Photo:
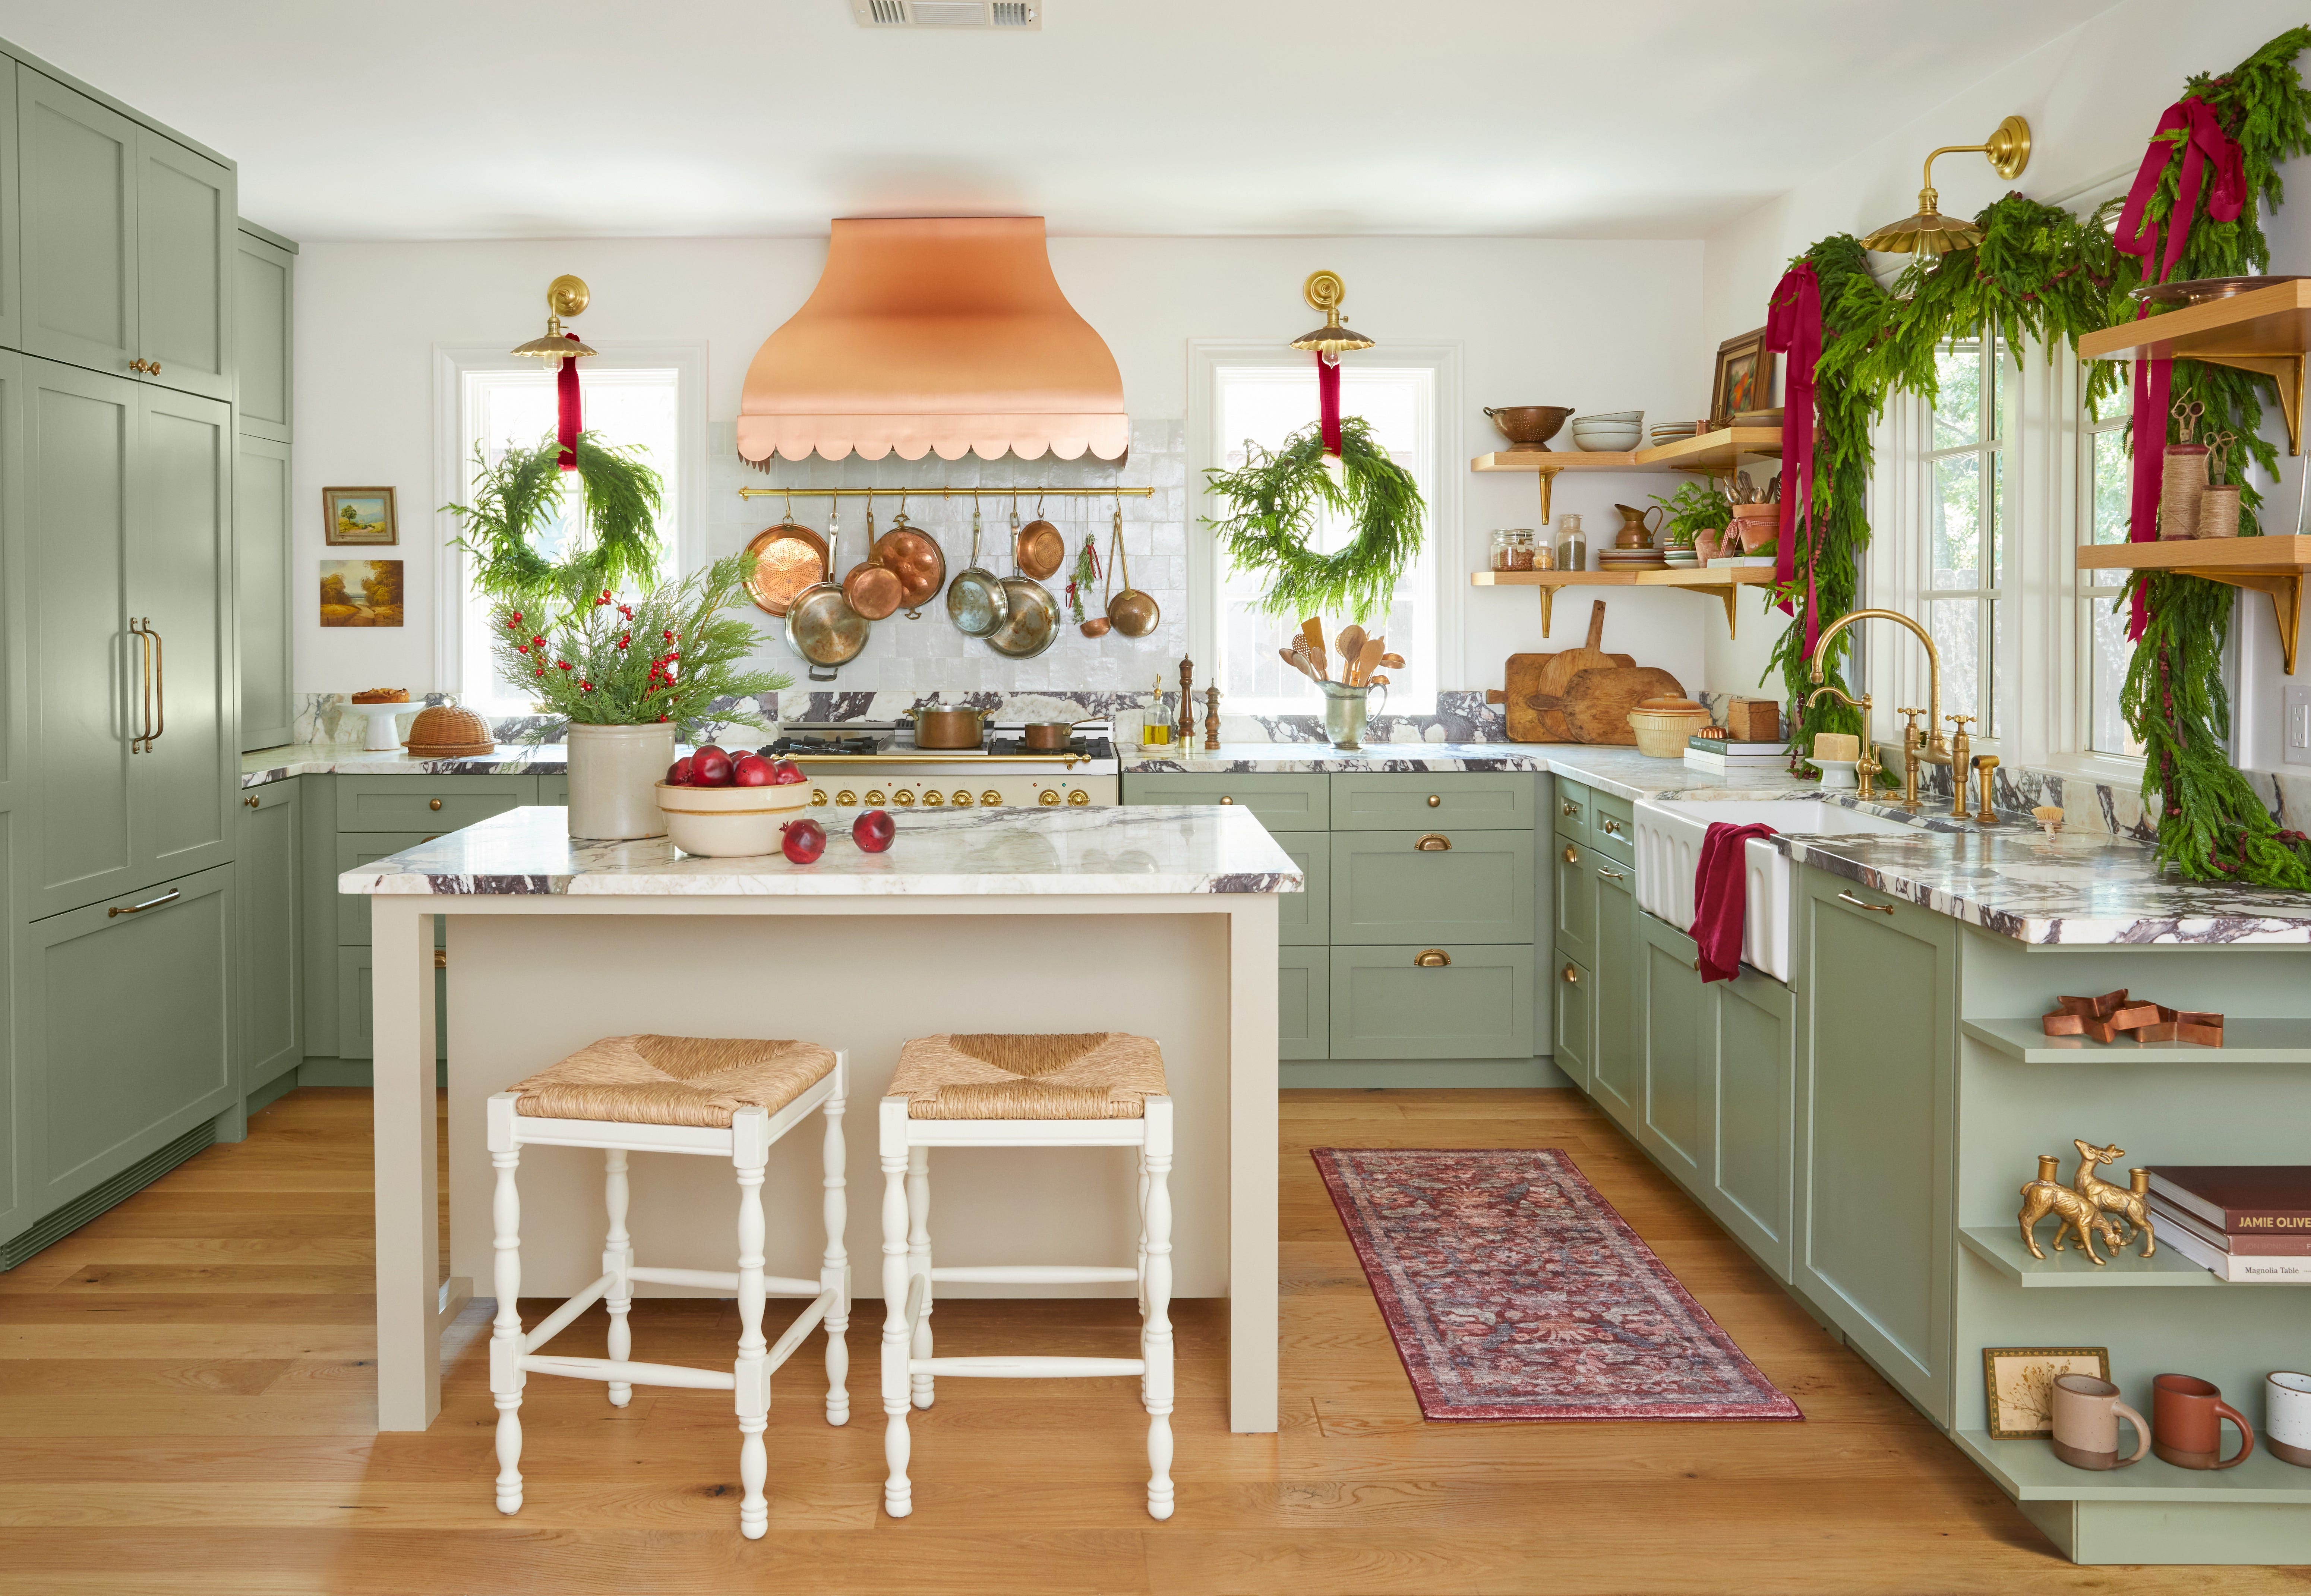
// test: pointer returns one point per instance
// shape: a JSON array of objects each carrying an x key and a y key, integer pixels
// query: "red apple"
[
  {"x": 802, "y": 841},
  {"x": 752, "y": 769},
  {"x": 677, "y": 774},
  {"x": 785, "y": 772},
  {"x": 709, "y": 767},
  {"x": 872, "y": 831}
]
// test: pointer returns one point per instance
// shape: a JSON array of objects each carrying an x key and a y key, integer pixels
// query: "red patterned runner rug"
[{"x": 1514, "y": 1291}]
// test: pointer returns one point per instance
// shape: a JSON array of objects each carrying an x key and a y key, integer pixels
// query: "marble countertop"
[
  {"x": 351, "y": 759},
  {"x": 991, "y": 852},
  {"x": 1622, "y": 773}
]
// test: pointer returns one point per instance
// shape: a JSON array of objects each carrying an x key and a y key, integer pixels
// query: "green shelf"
[
  {"x": 2244, "y": 1041},
  {"x": 2001, "y": 1246},
  {"x": 2029, "y": 1471}
]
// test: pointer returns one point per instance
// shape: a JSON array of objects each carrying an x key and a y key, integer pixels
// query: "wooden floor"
[{"x": 186, "y": 1405}]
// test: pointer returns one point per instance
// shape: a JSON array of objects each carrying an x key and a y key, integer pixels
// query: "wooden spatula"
[
  {"x": 1368, "y": 661},
  {"x": 1313, "y": 629}
]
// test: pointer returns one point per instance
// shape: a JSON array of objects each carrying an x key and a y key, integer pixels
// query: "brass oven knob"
[
  {"x": 992, "y": 799},
  {"x": 818, "y": 796},
  {"x": 846, "y": 798},
  {"x": 905, "y": 798},
  {"x": 934, "y": 799},
  {"x": 1432, "y": 958},
  {"x": 961, "y": 799},
  {"x": 1048, "y": 798},
  {"x": 1079, "y": 797},
  {"x": 874, "y": 797}
]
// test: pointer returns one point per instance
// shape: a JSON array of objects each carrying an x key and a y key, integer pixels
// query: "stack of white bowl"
[{"x": 1617, "y": 432}]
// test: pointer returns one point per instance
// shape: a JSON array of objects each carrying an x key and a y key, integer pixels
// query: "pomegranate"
[
  {"x": 872, "y": 831},
  {"x": 677, "y": 774},
  {"x": 712, "y": 748},
  {"x": 785, "y": 772},
  {"x": 802, "y": 841},
  {"x": 709, "y": 767},
  {"x": 752, "y": 769}
]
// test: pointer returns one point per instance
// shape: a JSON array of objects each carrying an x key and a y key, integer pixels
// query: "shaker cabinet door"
[
  {"x": 269, "y": 873},
  {"x": 262, "y": 326},
  {"x": 260, "y": 536},
  {"x": 11, "y": 281},
  {"x": 1676, "y": 1083},
  {"x": 79, "y": 162},
  {"x": 188, "y": 276},
  {"x": 1615, "y": 1072}
]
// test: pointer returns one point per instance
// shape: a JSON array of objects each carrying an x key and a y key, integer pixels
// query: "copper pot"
[
  {"x": 915, "y": 557},
  {"x": 1047, "y": 736},
  {"x": 944, "y": 728},
  {"x": 1039, "y": 548},
  {"x": 872, "y": 587}
]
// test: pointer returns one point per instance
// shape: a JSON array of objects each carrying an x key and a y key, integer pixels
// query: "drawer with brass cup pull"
[{"x": 1433, "y": 888}]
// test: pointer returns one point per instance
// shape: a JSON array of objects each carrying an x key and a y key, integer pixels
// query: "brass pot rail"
[{"x": 944, "y": 492}]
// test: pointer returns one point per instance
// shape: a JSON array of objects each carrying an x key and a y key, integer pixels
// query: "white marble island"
[{"x": 1160, "y": 921}]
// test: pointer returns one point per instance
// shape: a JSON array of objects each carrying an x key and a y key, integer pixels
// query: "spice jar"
[
  {"x": 1500, "y": 556},
  {"x": 1572, "y": 543},
  {"x": 1520, "y": 548}
]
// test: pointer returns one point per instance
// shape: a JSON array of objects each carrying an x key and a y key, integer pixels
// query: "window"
[
  {"x": 1255, "y": 393},
  {"x": 1971, "y": 427},
  {"x": 2104, "y": 508}
]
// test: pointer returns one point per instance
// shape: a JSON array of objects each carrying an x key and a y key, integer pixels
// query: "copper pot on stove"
[
  {"x": 1047, "y": 736},
  {"x": 937, "y": 725}
]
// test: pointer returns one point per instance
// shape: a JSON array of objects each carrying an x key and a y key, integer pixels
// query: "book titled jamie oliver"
[{"x": 2242, "y": 1198}]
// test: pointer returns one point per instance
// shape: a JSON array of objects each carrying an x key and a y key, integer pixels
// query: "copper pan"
[
  {"x": 872, "y": 587},
  {"x": 1047, "y": 736},
  {"x": 915, "y": 557},
  {"x": 1039, "y": 548},
  {"x": 788, "y": 558}
]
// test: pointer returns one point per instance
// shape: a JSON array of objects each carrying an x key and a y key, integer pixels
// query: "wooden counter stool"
[
  {"x": 723, "y": 1098},
  {"x": 1104, "y": 1089}
]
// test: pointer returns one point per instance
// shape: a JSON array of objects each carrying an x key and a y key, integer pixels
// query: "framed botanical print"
[
  {"x": 1744, "y": 379},
  {"x": 2019, "y": 1385},
  {"x": 359, "y": 515}
]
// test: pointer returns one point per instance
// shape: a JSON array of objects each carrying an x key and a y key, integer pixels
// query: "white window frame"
[
  {"x": 453, "y": 469},
  {"x": 1207, "y": 359}
]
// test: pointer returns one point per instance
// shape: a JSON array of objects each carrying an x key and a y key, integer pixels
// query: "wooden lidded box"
[{"x": 1754, "y": 721}]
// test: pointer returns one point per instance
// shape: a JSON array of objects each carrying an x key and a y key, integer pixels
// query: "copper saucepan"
[
  {"x": 1047, "y": 736},
  {"x": 1039, "y": 548},
  {"x": 873, "y": 589},
  {"x": 941, "y": 727}
]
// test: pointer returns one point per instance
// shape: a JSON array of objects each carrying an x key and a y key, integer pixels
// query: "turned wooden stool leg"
[
  {"x": 834, "y": 1267},
  {"x": 919, "y": 1258},
  {"x": 752, "y": 1368},
  {"x": 506, "y": 1375},
  {"x": 617, "y": 1257},
  {"x": 898, "y": 1494},
  {"x": 1157, "y": 1332}
]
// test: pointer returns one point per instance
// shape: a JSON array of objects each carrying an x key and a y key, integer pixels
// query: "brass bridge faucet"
[{"x": 1919, "y": 746}]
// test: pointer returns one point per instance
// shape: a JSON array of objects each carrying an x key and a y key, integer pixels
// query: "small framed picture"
[
  {"x": 1744, "y": 378},
  {"x": 360, "y": 592},
  {"x": 2019, "y": 1385},
  {"x": 359, "y": 515}
]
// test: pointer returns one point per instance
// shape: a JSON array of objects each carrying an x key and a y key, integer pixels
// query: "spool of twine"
[
  {"x": 2218, "y": 511},
  {"x": 2179, "y": 490}
]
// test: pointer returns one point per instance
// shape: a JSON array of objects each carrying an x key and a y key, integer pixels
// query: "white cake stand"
[{"x": 383, "y": 738}]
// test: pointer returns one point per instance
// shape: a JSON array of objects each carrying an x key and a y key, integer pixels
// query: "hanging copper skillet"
[
  {"x": 1135, "y": 613},
  {"x": 822, "y": 627},
  {"x": 1039, "y": 547},
  {"x": 788, "y": 558},
  {"x": 915, "y": 557},
  {"x": 872, "y": 587}
]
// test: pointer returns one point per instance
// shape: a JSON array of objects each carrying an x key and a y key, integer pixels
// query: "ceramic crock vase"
[
  {"x": 614, "y": 776},
  {"x": 1757, "y": 526}
]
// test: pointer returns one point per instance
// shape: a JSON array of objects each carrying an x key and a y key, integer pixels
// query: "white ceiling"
[{"x": 482, "y": 118}]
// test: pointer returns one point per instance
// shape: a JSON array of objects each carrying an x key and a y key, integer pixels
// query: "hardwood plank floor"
[{"x": 186, "y": 1405}]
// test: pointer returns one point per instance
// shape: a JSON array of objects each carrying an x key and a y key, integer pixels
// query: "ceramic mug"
[
  {"x": 2188, "y": 1416},
  {"x": 2287, "y": 1417},
  {"x": 2087, "y": 1411}
]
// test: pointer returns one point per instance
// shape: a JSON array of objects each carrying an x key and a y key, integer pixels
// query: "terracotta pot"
[
  {"x": 614, "y": 776},
  {"x": 1704, "y": 545},
  {"x": 1757, "y": 524}
]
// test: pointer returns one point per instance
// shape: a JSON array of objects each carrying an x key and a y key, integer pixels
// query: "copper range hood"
[{"x": 934, "y": 335}]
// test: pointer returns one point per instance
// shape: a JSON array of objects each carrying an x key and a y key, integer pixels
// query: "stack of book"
[
  {"x": 2240, "y": 1221},
  {"x": 1723, "y": 756}
]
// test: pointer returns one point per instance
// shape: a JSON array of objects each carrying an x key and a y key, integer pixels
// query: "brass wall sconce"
[
  {"x": 1930, "y": 233},
  {"x": 564, "y": 296},
  {"x": 1325, "y": 292}
]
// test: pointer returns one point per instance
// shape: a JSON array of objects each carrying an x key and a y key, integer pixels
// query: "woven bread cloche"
[{"x": 445, "y": 731}]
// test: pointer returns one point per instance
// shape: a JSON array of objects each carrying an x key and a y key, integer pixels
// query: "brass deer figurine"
[
  {"x": 2075, "y": 1215},
  {"x": 2118, "y": 1200}
]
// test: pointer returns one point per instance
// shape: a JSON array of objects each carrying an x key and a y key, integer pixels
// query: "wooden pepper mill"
[
  {"x": 1212, "y": 719},
  {"x": 1187, "y": 701}
]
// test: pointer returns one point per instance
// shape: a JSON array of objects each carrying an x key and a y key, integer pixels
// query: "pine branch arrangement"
[
  {"x": 1276, "y": 498},
  {"x": 519, "y": 497}
]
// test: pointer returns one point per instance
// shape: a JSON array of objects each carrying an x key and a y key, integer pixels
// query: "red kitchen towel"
[{"x": 1721, "y": 898}]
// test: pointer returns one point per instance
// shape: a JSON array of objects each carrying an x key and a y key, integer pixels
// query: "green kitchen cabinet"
[
  {"x": 1456, "y": 800},
  {"x": 1284, "y": 801},
  {"x": 1616, "y": 1070},
  {"x": 1876, "y": 1015},
  {"x": 553, "y": 789},
  {"x": 1456, "y": 1001},
  {"x": 1303, "y": 1003},
  {"x": 1569, "y": 811},
  {"x": 188, "y": 274},
  {"x": 77, "y": 243},
  {"x": 268, "y": 859},
  {"x": 1751, "y": 1045},
  {"x": 265, "y": 283},
  {"x": 1302, "y": 919},
  {"x": 126, "y": 1028},
  {"x": 434, "y": 804},
  {"x": 1573, "y": 899},
  {"x": 1456, "y": 886},
  {"x": 12, "y": 289},
  {"x": 1675, "y": 1067},
  {"x": 355, "y": 849},
  {"x": 1613, "y": 824},
  {"x": 1574, "y": 1017},
  {"x": 317, "y": 801},
  {"x": 261, "y": 543}
]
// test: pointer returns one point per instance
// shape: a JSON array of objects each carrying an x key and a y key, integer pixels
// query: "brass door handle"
[
  {"x": 139, "y": 738},
  {"x": 150, "y": 368},
  {"x": 1434, "y": 842},
  {"x": 1572, "y": 854},
  {"x": 251, "y": 800},
  {"x": 440, "y": 958},
  {"x": 1433, "y": 800},
  {"x": 1432, "y": 958},
  {"x": 1858, "y": 904},
  {"x": 435, "y": 804},
  {"x": 160, "y": 679},
  {"x": 1613, "y": 875},
  {"x": 171, "y": 896},
  {"x": 1572, "y": 975}
]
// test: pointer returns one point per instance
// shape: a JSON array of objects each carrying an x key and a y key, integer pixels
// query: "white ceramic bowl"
[
  {"x": 1605, "y": 442},
  {"x": 1632, "y": 417},
  {"x": 730, "y": 821}
]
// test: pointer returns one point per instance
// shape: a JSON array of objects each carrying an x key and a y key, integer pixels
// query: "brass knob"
[
  {"x": 1433, "y": 800},
  {"x": 1572, "y": 854},
  {"x": 1434, "y": 842},
  {"x": 1050, "y": 799},
  {"x": 934, "y": 799},
  {"x": 440, "y": 958},
  {"x": 962, "y": 798},
  {"x": 1613, "y": 827},
  {"x": 251, "y": 800},
  {"x": 818, "y": 796},
  {"x": 875, "y": 798},
  {"x": 1571, "y": 807},
  {"x": 1432, "y": 958},
  {"x": 1078, "y": 798},
  {"x": 1572, "y": 975},
  {"x": 434, "y": 805},
  {"x": 846, "y": 798},
  {"x": 904, "y": 799},
  {"x": 1227, "y": 800},
  {"x": 992, "y": 799}
]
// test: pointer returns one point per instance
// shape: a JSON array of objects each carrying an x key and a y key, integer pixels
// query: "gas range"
[{"x": 873, "y": 764}]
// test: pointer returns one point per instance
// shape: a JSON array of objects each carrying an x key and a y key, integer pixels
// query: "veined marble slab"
[
  {"x": 990, "y": 852},
  {"x": 351, "y": 759}
]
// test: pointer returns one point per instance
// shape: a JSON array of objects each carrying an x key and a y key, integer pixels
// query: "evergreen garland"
[
  {"x": 519, "y": 497},
  {"x": 1276, "y": 498}
]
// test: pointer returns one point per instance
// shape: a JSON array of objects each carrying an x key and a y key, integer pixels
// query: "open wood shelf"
[
  {"x": 1711, "y": 454},
  {"x": 2001, "y": 1246},
  {"x": 2244, "y": 1041},
  {"x": 1719, "y": 582},
  {"x": 2029, "y": 1470},
  {"x": 2272, "y": 565},
  {"x": 2266, "y": 332}
]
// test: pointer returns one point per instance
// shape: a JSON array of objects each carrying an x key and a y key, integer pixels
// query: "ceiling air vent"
[{"x": 947, "y": 13}]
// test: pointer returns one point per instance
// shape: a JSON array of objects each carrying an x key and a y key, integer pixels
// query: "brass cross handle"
[
  {"x": 1960, "y": 722},
  {"x": 1909, "y": 722}
]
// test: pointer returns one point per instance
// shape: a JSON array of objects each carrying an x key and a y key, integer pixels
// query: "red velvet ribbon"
[
  {"x": 566, "y": 397},
  {"x": 1793, "y": 328},
  {"x": 2191, "y": 123},
  {"x": 1328, "y": 402}
]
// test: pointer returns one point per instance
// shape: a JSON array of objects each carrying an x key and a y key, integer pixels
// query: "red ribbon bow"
[
  {"x": 566, "y": 402},
  {"x": 2191, "y": 124},
  {"x": 1793, "y": 328},
  {"x": 1328, "y": 402}
]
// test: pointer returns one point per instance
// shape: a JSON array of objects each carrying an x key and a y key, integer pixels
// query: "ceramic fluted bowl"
[{"x": 730, "y": 821}]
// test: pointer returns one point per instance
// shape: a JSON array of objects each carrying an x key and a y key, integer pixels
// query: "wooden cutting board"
[
  {"x": 1533, "y": 685},
  {"x": 1597, "y": 704}
]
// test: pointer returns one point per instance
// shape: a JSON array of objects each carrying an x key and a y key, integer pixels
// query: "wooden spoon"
[
  {"x": 1368, "y": 661},
  {"x": 1348, "y": 642},
  {"x": 1392, "y": 662},
  {"x": 1292, "y": 658}
]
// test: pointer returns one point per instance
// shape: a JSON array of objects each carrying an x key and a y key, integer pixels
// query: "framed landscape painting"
[
  {"x": 359, "y": 515},
  {"x": 360, "y": 592}
]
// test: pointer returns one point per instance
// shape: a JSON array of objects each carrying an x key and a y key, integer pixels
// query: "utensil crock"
[{"x": 1344, "y": 712}]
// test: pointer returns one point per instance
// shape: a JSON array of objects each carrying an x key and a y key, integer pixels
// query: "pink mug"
[{"x": 2087, "y": 1411}]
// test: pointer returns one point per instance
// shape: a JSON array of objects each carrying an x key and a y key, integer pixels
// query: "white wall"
[
  {"x": 2092, "y": 98},
  {"x": 1600, "y": 325}
]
